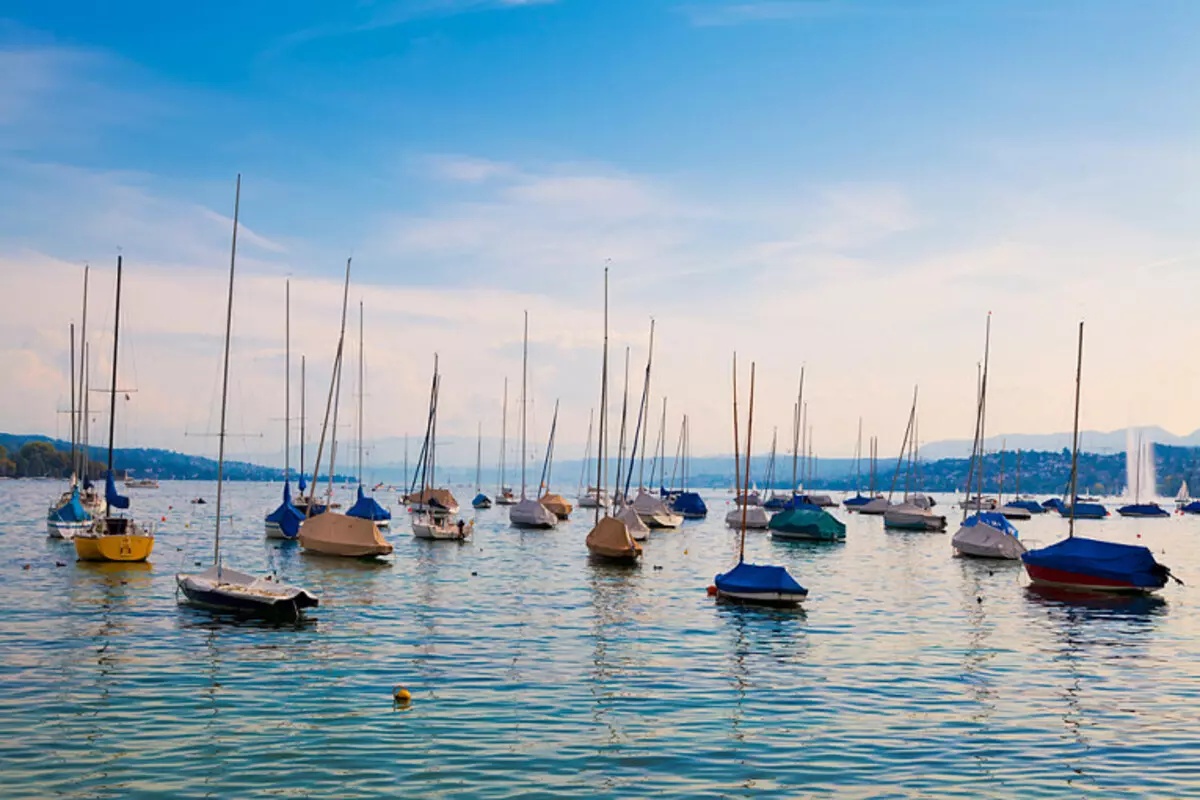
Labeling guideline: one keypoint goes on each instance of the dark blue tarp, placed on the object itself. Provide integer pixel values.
(1127, 563)
(775, 502)
(365, 507)
(856, 501)
(1084, 510)
(287, 516)
(992, 519)
(72, 510)
(1032, 506)
(1144, 510)
(1054, 502)
(1192, 507)
(480, 499)
(303, 484)
(799, 501)
(757, 578)
(111, 497)
(87, 483)
(689, 504)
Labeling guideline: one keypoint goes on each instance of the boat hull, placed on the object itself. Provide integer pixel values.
(114, 547)
(56, 529)
(777, 599)
(1082, 582)
(333, 534)
(662, 521)
(274, 531)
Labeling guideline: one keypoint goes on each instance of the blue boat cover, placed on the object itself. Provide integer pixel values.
(749, 578)
(1192, 507)
(72, 510)
(688, 503)
(111, 497)
(287, 516)
(775, 502)
(1144, 510)
(799, 501)
(303, 483)
(87, 483)
(1126, 563)
(1084, 510)
(993, 520)
(1032, 506)
(1056, 503)
(365, 507)
(857, 500)
(480, 498)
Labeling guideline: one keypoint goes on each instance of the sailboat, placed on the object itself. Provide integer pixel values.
(1142, 466)
(806, 521)
(859, 500)
(1092, 565)
(331, 533)
(480, 501)
(434, 521)
(504, 494)
(652, 511)
(774, 501)
(907, 515)
(1182, 498)
(1013, 508)
(67, 516)
(592, 496)
(284, 521)
(753, 583)
(556, 503)
(747, 514)
(219, 587)
(877, 504)
(610, 538)
(985, 534)
(365, 506)
(528, 512)
(687, 504)
(113, 537)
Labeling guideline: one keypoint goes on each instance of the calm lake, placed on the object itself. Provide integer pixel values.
(535, 673)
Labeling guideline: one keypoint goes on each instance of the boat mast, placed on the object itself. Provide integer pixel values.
(74, 420)
(1075, 435)
(642, 406)
(903, 446)
(621, 444)
(858, 461)
(237, 200)
(796, 432)
(337, 405)
(1017, 494)
(287, 381)
(337, 361)
(503, 438)
(112, 398)
(749, 426)
(431, 455)
(737, 464)
(81, 430)
(303, 391)
(548, 463)
(587, 451)
(601, 455)
(85, 434)
(360, 392)
(987, 353)
(478, 458)
(524, 372)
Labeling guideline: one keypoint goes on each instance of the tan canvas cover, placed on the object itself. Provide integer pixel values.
(334, 534)
(558, 504)
(442, 496)
(610, 538)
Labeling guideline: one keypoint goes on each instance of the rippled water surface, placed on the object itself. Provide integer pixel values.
(534, 672)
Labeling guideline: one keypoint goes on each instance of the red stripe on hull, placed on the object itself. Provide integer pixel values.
(1058, 577)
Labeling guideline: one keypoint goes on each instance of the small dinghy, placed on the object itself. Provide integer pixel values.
(987, 534)
(1019, 509)
(633, 521)
(689, 505)
(283, 522)
(1082, 510)
(481, 502)
(857, 502)
(366, 507)
(810, 523)
(1191, 508)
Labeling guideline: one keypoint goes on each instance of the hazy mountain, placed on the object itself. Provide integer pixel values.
(1089, 441)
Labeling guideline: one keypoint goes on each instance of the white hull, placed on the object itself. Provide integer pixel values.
(440, 529)
(66, 530)
(763, 598)
(274, 531)
(756, 518)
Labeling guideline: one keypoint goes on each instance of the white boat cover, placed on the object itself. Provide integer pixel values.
(756, 517)
(982, 540)
(241, 587)
(877, 506)
(906, 515)
(633, 522)
(531, 514)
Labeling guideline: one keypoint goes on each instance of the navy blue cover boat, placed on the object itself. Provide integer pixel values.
(1191, 508)
(1091, 564)
(755, 583)
(689, 505)
(481, 500)
(285, 520)
(365, 507)
(1083, 510)
(1143, 510)
(859, 499)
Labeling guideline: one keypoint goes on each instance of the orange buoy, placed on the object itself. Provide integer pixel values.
(712, 591)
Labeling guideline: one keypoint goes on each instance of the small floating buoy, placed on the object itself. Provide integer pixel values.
(685, 552)
(164, 519)
(978, 599)
(25, 567)
(197, 563)
(658, 566)
(60, 563)
(712, 591)
(474, 574)
(401, 696)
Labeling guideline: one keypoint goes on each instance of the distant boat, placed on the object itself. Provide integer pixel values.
(528, 512)
(859, 500)
(67, 517)
(221, 588)
(1182, 498)
(140, 483)
(556, 503)
(610, 538)
(754, 583)
(591, 497)
(504, 493)
(688, 504)
(1090, 565)
(1082, 510)
(810, 523)
(365, 506)
(434, 520)
(1020, 507)
(1191, 508)
(912, 514)
(775, 501)
(653, 512)
(113, 537)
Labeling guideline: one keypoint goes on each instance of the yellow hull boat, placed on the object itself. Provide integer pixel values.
(115, 539)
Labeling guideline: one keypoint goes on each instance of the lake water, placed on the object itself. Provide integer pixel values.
(535, 673)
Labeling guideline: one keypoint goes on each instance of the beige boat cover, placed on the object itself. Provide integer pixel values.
(558, 504)
(443, 497)
(334, 534)
(610, 538)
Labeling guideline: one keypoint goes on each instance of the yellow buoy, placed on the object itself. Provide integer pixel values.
(401, 696)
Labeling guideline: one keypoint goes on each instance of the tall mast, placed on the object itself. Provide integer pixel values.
(524, 372)
(796, 432)
(503, 436)
(237, 200)
(737, 453)
(621, 444)
(642, 406)
(287, 382)
(987, 350)
(587, 450)
(804, 444)
(303, 392)
(360, 392)
(83, 404)
(858, 461)
(478, 457)
(904, 445)
(1075, 435)
(337, 405)
(112, 397)
(1017, 491)
(85, 434)
(749, 426)
(74, 419)
(337, 361)
(601, 454)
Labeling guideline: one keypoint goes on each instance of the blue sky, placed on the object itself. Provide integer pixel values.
(800, 179)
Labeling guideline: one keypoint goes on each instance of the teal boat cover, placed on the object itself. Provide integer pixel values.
(808, 520)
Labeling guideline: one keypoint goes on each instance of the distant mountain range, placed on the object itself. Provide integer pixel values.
(1089, 442)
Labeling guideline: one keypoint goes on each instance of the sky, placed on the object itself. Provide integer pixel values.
(845, 185)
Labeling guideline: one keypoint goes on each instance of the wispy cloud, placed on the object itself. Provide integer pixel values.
(722, 14)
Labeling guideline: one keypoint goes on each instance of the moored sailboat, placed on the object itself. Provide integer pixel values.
(219, 587)
(365, 506)
(480, 501)
(284, 521)
(528, 512)
(909, 515)
(686, 503)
